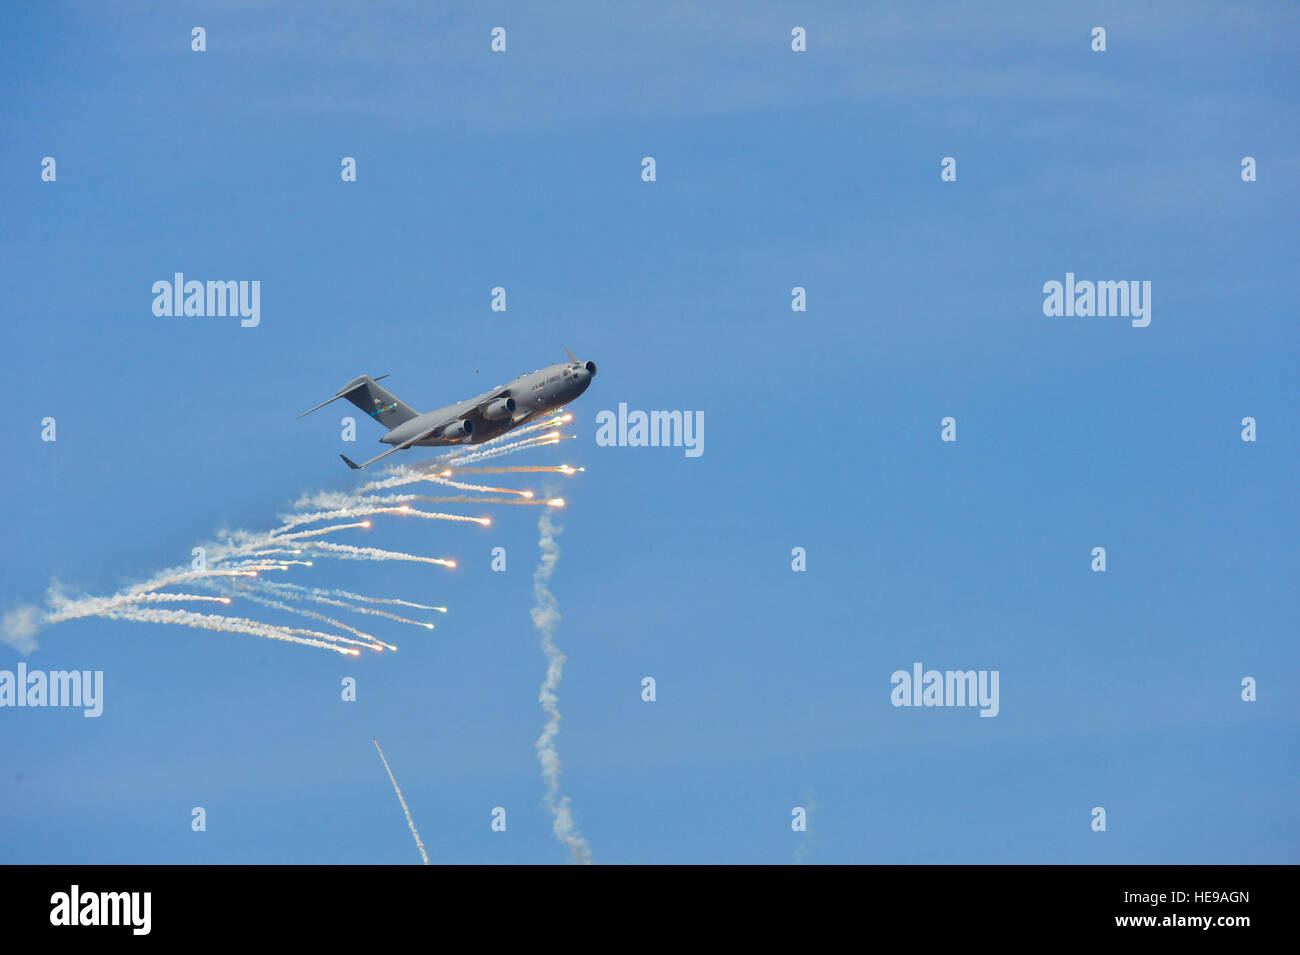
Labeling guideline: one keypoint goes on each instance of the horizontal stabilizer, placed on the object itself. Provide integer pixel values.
(319, 406)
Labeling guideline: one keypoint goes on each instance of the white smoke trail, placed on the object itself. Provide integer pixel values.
(470, 499)
(467, 499)
(245, 554)
(546, 614)
(293, 592)
(406, 474)
(19, 628)
(170, 578)
(282, 563)
(348, 552)
(556, 419)
(393, 502)
(365, 508)
(64, 607)
(325, 501)
(481, 488)
(91, 606)
(520, 469)
(278, 538)
(348, 595)
(173, 598)
(404, 510)
(299, 519)
(440, 516)
(366, 640)
(484, 455)
(332, 504)
(218, 622)
(402, 799)
(410, 473)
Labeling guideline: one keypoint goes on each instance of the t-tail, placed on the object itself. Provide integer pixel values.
(375, 400)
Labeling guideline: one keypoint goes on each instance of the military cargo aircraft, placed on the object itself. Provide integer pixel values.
(474, 421)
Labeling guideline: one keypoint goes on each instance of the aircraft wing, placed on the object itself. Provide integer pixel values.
(466, 410)
(401, 447)
(475, 407)
(485, 399)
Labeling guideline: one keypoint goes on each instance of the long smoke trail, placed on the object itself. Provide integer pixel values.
(509, 440)
(400, 474)
(546, 615)
(467, 499)
(168, 578)
(245, 555)
(402, 799)
(349, 595)
(294, 592)
(94, 605)
(347, 551)
(279, 537)
(366, 508)
(224, 624)
(443, 478)
(366, 640)
(521, 469)
(538, 442)
(392, 502)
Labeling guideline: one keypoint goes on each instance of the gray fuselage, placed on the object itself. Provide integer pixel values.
(533, 395)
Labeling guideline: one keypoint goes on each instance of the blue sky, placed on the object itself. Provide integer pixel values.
(774, 169)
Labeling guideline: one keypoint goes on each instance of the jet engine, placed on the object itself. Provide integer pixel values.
(458, 430)
(501, 408)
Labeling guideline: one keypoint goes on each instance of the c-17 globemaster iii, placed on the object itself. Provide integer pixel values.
(474, 421)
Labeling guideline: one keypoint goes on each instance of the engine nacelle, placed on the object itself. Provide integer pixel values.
(461, 429)
(501, 408)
